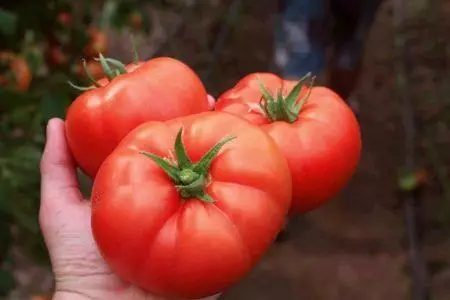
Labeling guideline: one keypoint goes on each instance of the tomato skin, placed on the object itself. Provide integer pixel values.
(188, 249)
(157, 90)
(322, 147)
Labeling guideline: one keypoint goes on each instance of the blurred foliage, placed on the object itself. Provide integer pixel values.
(38, 55)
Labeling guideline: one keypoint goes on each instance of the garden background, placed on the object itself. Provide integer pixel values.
(387, 234)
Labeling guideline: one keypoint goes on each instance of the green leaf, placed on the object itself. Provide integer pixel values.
(11, 99)
(183, 159)
(5, 235)
(203, 165)
(109, 10)
(54, 105)
(8, 22)
(7, 282)
(409, 182)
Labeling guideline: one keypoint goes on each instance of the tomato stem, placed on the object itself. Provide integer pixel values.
(189, 178)
(80, 88)
(135, 53)
(89, 74)
(287, 108)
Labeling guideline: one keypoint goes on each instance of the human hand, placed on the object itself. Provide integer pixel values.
(65, 219)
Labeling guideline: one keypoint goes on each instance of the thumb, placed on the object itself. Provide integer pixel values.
(59, 183)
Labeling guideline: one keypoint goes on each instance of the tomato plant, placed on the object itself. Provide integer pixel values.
(192, 219)
(156, 90)
(314, 128)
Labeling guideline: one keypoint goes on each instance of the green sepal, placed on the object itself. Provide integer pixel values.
(167, 167)
(180, 151)
(120, 67)
(105, 66)
(81, 88)
(190, 179)
(202, 167)
(295, 92)
(89, 74)
(206, 198)
(285, 108)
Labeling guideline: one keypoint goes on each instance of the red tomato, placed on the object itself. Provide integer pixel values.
(157, 90)
(164, 233)
(94, 68)
(321, 141)
(19, 70)
(135, 20)
(64, 18)
(56, 57)
(98, 42)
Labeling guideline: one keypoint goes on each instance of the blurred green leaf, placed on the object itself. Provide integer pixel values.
(8, 22)
(5, 236)
(11, 99)
(411, 181)
(7, 282)
(54, 105)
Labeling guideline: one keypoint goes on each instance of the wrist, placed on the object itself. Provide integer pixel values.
(67, 295)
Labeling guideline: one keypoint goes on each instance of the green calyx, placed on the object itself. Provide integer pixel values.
(189, 178)
(111, 68)
(281, 108)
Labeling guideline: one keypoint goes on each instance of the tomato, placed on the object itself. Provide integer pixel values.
(17, 74)
(93, 67)
(157, 90)
(98, 42)
(135, 20)
(65, 18)
(196, 226)
(56, 57)
(320, 138)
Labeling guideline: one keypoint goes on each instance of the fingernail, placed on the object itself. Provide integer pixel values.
(48, 129)
(50, 125)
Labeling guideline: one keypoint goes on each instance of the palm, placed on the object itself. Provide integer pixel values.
(65, 222)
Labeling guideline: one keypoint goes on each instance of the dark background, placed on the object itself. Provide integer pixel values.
(356, 247)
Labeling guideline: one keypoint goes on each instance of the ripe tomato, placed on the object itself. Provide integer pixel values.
(64, 18)
(320, 138)
(98, 42)
(94, 68)
(56, 57)
(198, 226)
(135, 20)
(17, 74)
(157, 90)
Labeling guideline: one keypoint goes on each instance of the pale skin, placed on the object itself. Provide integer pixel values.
(79, 270)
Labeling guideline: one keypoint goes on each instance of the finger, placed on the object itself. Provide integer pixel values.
(211, 102)
(58, 174)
